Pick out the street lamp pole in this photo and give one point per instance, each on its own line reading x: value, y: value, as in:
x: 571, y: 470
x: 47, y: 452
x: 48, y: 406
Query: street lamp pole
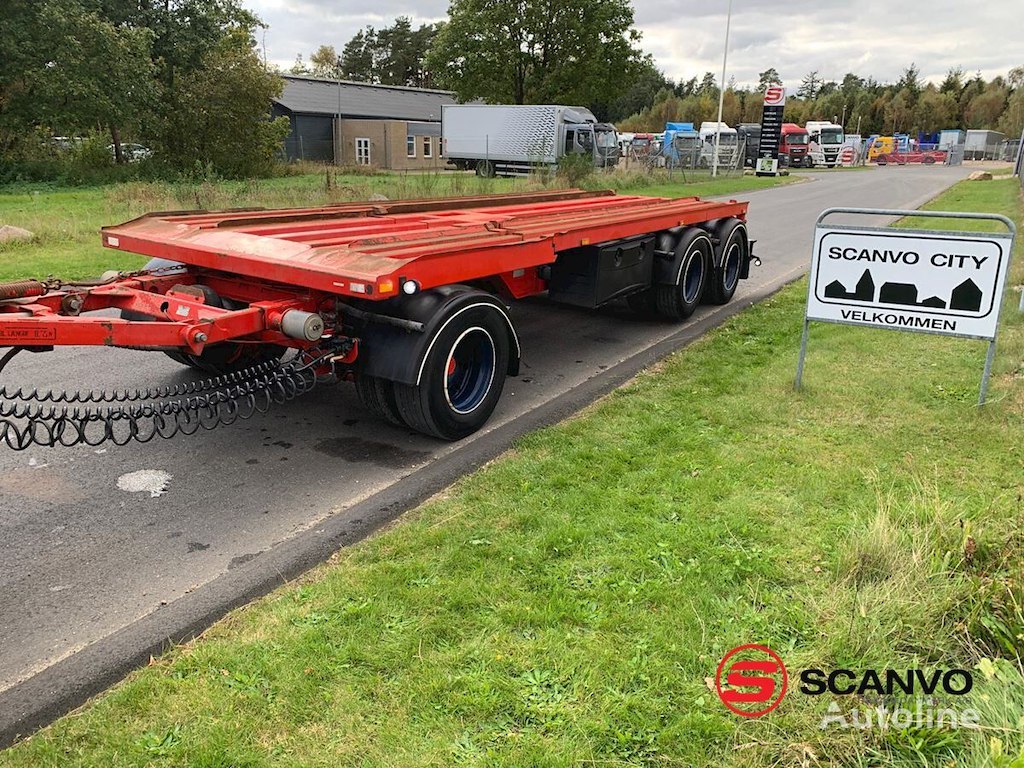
x: 721, y: 91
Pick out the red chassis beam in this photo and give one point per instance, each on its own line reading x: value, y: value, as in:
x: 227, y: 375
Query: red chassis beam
x: 48, y: 315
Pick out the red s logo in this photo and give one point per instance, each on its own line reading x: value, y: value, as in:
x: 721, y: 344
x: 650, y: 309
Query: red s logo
x: 759, y: 669
x: 774, y: 95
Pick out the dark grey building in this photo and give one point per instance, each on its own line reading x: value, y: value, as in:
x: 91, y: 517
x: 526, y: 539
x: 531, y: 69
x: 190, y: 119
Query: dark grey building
x: 320, y: 109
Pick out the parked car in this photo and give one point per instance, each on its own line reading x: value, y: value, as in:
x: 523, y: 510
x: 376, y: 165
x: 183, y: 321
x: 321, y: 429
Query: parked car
x: 132, y: 153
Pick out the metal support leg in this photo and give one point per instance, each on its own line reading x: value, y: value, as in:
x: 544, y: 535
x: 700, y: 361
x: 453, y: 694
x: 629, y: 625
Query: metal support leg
x: 803, y: 354
x: 989, y: 358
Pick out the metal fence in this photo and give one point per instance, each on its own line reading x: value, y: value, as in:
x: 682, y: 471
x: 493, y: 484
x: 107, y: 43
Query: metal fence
x: 686, y: 158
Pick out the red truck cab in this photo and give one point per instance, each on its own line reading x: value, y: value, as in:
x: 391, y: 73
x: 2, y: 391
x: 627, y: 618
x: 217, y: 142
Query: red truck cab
x: 794, y: 146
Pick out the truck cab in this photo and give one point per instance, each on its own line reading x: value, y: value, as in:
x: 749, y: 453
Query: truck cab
x: 826, y: 142
x: 728, y: 144
x: 598, y: 140
x: 749, y: 135
x: 681, y: 145
x: 794, y: 146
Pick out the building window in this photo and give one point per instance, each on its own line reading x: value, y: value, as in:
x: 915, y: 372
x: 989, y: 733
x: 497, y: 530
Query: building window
x: 362, y: 151
x: 410, y: 146
x: 428, y: 147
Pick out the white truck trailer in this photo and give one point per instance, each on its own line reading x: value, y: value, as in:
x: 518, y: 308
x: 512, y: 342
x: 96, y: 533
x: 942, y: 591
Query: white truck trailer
x: 513, y: 139
x: 727, y: 145
x: 826, y: 142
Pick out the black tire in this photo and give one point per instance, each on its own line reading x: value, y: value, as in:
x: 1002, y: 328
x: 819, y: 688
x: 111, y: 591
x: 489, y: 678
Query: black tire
x: 462, y: 376
x: 731, y: 254
x: 928, y: 160
x: 678, y: 300
x: 378, y: 396
x: 485, y: 169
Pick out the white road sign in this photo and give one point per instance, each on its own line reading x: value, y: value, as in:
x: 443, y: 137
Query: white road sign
x: 938, y: 282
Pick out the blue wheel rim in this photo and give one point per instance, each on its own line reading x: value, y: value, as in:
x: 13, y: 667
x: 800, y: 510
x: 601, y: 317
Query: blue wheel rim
x: 469, y: 371
x: 693, y: 279
x: 732, y: 266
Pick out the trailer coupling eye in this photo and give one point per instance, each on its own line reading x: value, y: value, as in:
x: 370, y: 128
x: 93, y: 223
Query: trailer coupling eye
x: 45, y: 418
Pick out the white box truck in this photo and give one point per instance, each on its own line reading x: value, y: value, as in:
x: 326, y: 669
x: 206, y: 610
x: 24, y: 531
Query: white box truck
x: 514, y: 139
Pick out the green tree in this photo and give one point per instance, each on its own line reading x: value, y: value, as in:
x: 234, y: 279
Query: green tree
x: 953, y: 83
x: 66, y: 67
x: 935, y: 110
x: 535, y: 51
x: 767, y: 78
x: 810, y: 85
x: 1012, y: 120
x: 639, y: 92
x: 324, y: 62
x: 357, y: 57
x: 394, y: 55
x: 984, y: 110
x: 219, y: 116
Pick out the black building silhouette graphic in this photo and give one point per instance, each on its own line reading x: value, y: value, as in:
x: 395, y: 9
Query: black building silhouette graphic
x: 966, y: 297
x: 898, y: 293
x: 865, y: 290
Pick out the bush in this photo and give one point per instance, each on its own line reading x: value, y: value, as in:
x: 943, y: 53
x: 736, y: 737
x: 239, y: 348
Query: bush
x: 573, y: 169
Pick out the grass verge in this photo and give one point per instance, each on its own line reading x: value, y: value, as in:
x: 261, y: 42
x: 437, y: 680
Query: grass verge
x: 566, y: 605
x: 66, y: 221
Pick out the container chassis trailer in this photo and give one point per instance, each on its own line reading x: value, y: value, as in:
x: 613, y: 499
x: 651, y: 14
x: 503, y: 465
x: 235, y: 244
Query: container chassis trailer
x: 409, y: 299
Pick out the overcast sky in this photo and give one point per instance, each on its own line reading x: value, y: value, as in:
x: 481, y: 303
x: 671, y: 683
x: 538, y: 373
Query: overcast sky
x: 870, y: 37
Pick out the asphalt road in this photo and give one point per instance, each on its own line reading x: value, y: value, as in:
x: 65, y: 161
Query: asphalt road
x: 82, y: 560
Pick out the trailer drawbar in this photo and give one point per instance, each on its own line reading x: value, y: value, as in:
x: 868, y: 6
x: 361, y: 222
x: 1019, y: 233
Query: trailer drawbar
x: 409, y: 299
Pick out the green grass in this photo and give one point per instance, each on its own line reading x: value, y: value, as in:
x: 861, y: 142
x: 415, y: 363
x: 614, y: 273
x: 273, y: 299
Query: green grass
x: 66, y: 222
x: 565, y: 605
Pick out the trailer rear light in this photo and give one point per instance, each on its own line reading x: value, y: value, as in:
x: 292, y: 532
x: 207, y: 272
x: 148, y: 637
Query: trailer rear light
x: 386, y: 286
x: 113, y: 242
x: 410, y: 287
x: 358, y: 287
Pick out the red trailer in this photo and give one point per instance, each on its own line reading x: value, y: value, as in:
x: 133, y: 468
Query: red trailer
x: 409, y: 299
x: 926, y: 157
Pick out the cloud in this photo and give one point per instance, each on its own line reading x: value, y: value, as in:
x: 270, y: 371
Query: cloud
x: 874, y: 38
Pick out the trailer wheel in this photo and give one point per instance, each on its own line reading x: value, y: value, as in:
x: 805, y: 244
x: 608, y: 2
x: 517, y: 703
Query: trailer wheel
x: 462, y: 377
x: 378, y: 396
x: 928, y: 160
x: 485, y: 169
x: 730, y: 255
x: 678, y: 300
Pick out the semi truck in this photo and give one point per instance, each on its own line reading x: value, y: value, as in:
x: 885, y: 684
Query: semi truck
x: 411, y: 300
x: 826, y: 141
x: 793, y: 146
x: 681, y: 145
x: 512, y: 140
x: 728, y: 144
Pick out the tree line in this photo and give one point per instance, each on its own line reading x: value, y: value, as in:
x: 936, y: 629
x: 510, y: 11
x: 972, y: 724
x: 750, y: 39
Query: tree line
x: 862, y: 105
x: 587, y: 52
x: 182, y: 76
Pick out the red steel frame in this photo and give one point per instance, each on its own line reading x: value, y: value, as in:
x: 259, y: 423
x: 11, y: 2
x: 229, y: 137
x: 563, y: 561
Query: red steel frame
x: 307, y: 258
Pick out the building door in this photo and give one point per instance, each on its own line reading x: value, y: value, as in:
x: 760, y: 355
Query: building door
x: 362, y: 151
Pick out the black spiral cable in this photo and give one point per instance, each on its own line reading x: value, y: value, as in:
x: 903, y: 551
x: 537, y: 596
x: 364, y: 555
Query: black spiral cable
x: 47, y: 419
